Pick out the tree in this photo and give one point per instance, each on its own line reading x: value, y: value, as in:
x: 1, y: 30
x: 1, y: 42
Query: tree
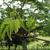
x: 15, y: 17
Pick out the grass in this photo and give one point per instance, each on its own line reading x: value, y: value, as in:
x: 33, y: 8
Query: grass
x: 36, y: 45
x: 12, y: 48
x: 32, y: 48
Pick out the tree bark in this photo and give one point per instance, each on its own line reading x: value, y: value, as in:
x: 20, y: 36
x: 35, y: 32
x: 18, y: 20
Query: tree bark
x: 24, y: 45
x: 15, y: 47
x: 8, y: 47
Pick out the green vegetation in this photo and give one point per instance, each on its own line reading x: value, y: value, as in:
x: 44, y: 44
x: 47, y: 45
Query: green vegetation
x: 25, y: 24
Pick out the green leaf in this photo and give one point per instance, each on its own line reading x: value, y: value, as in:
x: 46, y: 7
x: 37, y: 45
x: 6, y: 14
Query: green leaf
x: 30, y: 24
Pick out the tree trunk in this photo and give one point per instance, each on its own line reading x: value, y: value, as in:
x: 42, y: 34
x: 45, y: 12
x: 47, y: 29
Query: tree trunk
x: 15, y: 47
x: 24, y: 45
x: 8, y: 47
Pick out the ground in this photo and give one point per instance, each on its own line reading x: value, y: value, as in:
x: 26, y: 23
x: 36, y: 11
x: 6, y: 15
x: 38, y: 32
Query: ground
x: 34, y: 45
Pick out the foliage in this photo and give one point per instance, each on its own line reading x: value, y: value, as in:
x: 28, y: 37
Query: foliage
x: 14, y: 17
x: 8, y: 26
x: 30, y: 23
